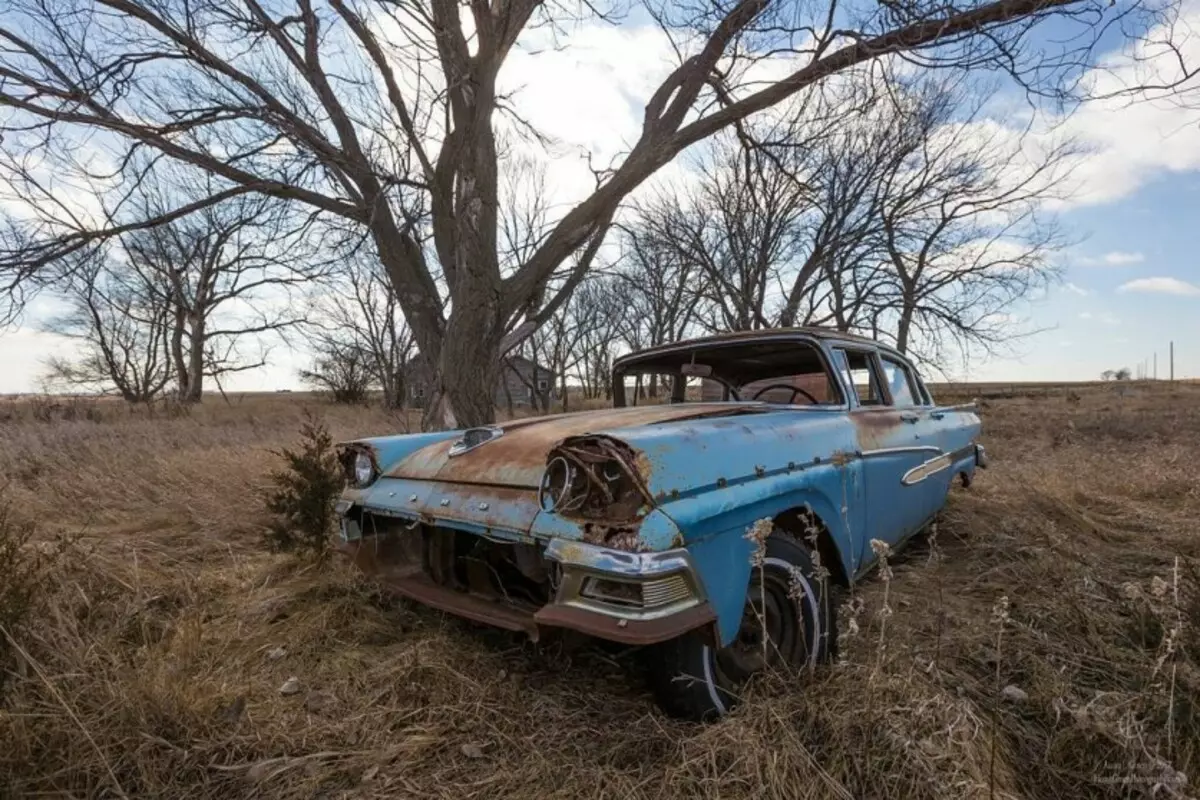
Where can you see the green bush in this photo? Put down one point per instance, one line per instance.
(304, 493)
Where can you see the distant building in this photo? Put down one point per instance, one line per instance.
(520, 381)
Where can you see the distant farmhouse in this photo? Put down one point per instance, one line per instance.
(522, 382)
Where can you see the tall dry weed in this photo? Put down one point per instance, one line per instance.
(164, 633)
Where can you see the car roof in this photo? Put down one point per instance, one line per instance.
(768, 334)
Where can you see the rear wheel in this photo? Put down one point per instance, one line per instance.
(787, 622)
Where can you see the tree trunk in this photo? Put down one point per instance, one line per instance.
(787, 317)
(469, 365)
(177, 359)
(195, 363)
(905, 324)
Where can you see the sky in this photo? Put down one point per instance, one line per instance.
(1131, 283)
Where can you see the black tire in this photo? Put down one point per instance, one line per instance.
(693, 681)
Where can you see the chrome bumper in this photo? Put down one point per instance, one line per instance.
(653, 585)
(981, 457)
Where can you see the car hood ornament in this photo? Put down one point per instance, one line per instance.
(474, 437)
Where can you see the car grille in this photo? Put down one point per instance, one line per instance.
(665, 591)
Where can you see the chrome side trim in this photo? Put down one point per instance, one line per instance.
(927, 469)
(935, 465)
(887, 451)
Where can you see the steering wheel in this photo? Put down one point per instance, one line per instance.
(795, 390)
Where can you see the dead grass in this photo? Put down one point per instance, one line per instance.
(167, 631)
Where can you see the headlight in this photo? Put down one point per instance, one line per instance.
(563, 487)
(364, 469)
(358, 466)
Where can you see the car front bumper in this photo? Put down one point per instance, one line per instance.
(662, 594)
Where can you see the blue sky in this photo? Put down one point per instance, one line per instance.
(1099, 319)
(1131, 284)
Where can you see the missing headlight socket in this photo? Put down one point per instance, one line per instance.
(595, 477)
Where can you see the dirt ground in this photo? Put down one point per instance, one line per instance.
(1041, 642)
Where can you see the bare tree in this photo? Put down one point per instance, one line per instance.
(658, 285)
(735, 229)
(384, 115)
(342, 369)
(964, 226)
(120, 328)
(359, 315)
(838, 272)
(226, 274)
(600, 313)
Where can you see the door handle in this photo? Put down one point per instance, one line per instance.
(937, 414)
(909, 416)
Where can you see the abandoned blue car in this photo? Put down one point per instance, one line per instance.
(737, 481)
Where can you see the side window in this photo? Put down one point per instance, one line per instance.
(858, 374)
(900, 383)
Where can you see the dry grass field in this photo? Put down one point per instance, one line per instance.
(1043, 641)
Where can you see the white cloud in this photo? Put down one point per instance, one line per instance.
(1103, 316)
(587, 94)
(1075, 289)
(23, 353)
(1161, 286)
(1130, 143)
(1116, 258)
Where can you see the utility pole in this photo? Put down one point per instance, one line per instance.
(1172, 362)
(1155, 365)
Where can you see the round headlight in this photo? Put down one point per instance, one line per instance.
(364, 469)
(563, 487)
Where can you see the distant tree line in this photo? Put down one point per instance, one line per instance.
(900, 215)
(385, 130)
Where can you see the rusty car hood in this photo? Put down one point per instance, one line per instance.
(519, 456)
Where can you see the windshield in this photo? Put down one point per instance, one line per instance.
(780, 371)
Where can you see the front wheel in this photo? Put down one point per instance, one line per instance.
(787, 621)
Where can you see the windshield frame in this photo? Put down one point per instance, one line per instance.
(632, 365)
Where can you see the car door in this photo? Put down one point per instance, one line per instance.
(957, 430)
(892, 442)
(925, 485)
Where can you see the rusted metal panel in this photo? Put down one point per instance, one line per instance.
(880, 428)
(627, 631)
(402, 578)
(519, 456)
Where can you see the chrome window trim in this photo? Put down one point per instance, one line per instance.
(822, 345)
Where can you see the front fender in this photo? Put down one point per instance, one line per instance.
(714, 526)
(390, 450)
